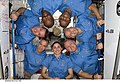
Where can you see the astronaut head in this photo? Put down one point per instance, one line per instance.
(70, 45)
(47, 19)
(71, 32)
(57, 47)
(42, 45)
(64, 19)
(40, 31)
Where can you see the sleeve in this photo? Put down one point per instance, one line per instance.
(20, 40)
(25, 37)
(88, 3)
(70, 65)
(63, 7)
(36, 7)
(32, 21)
(28, 12)
(76, 68)
(28, 46)
(46, 62)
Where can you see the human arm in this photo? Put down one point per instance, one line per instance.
(89, 76)
(70, 74)
(15, 14)
(100, 20)
(44, 73)
(70, 69)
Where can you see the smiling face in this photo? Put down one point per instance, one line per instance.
(70, 46)
(42, 46)
(39, 31)
(57, 48)
(64, 20)
(71, 32)
(47, 19)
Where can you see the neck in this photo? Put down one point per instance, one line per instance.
(57, 56)
(38, 52)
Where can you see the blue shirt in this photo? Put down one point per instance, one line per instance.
(32, 60)
(85, 59)
(57, 68)
(24, 23)
(88, 28)
(49, 5)
(78, 7)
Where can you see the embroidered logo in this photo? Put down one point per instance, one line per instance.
(38, 61)
(63, 62)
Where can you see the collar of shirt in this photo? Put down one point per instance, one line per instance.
(61, 56)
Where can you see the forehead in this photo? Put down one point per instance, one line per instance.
(56, 44)
(68, 42)
(43, 42)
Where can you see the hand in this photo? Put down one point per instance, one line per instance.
(14, 15)
(97, 76)
(100, 46)
(99, 36)
(100, 22)
(56, 78)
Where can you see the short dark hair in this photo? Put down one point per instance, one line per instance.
(44, 39)
(58, 43)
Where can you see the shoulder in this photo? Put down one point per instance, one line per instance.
(65, 57)
(50, 56)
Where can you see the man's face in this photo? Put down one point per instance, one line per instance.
(39, 31)
(71, 32)
(70, 45)
(42, 46)
(57, 49)
(47, 19)
(64, 20)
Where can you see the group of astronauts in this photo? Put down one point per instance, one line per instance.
(83, 58)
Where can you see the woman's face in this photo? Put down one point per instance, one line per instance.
(57, 49)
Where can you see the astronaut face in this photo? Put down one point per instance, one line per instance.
(47, 19)
(64, 20)
(70, 46)
(39, 31)
(42, 46)
(57, 48)
(71, 32)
